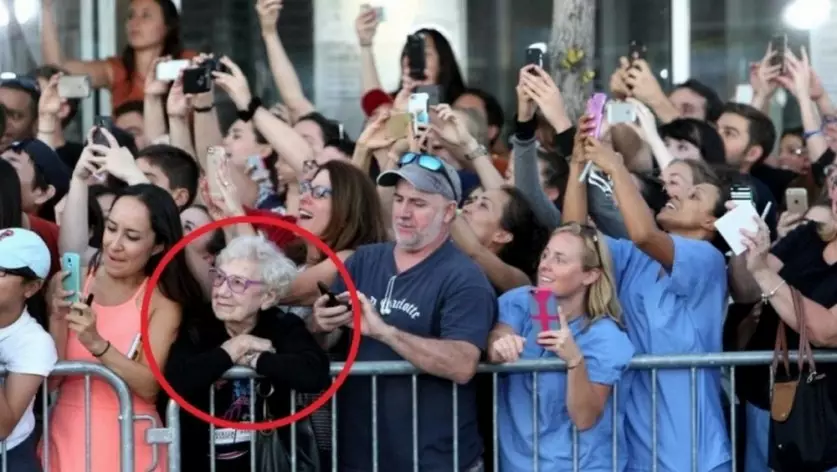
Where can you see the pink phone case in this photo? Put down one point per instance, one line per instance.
(595, 108)
(544, 311)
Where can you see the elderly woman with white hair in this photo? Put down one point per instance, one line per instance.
(250, 276)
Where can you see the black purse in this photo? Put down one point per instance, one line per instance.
(274, 455)
(803, 422)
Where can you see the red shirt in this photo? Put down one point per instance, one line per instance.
(126, 89)
(48, 231)
(278, 236)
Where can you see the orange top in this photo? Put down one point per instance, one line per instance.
(126, 89)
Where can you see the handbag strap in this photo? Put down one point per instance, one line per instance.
(805, 351)
(780, 348)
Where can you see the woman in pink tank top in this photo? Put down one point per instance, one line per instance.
(143, 225)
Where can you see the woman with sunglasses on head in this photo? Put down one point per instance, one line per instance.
(143, 225)
(250, 277)
(581, 325)
(672, 283)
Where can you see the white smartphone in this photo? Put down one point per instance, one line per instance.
(379, 13)
(620, 112)
(169, 70)
(418, 108)
(74, 86)
(135, 347)
(796, 199)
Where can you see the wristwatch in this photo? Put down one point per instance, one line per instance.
(476, 152)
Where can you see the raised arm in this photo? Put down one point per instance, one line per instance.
(644, 86)
(501, 275)
(284, 74)
(177, 108)
(100, 72)
(154, 104)
(366, 25)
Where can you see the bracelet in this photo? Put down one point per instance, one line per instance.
(105, 350)
(247, 115)
(810, 134)
(576, 364)
(203, 109)
(769, 295)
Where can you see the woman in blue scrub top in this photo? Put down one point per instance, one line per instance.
(672, 285)
(576, 267)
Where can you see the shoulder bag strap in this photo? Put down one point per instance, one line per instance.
(804, 343)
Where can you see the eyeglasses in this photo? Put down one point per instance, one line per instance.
(236, 284)
(317, 191)
(428, 162)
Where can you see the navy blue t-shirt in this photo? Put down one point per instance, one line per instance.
(446, 296)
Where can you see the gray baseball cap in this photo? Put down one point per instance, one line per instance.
(444, 182)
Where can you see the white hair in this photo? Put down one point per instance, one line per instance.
(277, 271)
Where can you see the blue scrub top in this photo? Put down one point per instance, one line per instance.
(607, 352)
(676, 312)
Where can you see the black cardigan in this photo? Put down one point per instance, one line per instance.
(197, 361)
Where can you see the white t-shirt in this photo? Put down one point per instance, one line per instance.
(26, 348)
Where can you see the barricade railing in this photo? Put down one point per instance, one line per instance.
(125, 415)
(728, 362)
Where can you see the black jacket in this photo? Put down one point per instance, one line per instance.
(197, 362)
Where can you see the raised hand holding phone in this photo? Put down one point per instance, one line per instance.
(595, 110)
(562, 343)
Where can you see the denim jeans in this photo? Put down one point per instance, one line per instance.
(24, 457)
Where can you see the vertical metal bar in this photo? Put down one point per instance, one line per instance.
(374, 423)
(45, 421)
(455, 398)
(253, 434)
(88, 459)
(494, 436)
(414, 395)
(536, 430)
(575, 449)
(87, 24)
(681, 38)
(293, 433)
(5, 454)
(653, 420)
(614, 421)
(106, 45)
(173, 423)
(334, 432)
(733, 420)
(212, 429)
(693, 414)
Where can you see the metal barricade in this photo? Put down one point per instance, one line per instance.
(728, 362)
(125, 416)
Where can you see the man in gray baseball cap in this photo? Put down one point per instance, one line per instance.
(426, 173)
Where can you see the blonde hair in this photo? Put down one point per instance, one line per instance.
(601, 300)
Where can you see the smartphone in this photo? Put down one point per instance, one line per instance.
(135, 347)
(417, 107)
(779, 44)
(544, 311)
(415, 56)
(620, 112)
(534, 56)
(398, 125)
(71, 262)
(379, 13)
(333, 301)
(434, 94)
(74, 86)
(636, 50)
(196, 80)
(741, 193)
(169, 70)
(102, 122)
(595, 109)
(796, 199)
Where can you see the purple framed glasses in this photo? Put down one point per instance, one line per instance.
(236, 284)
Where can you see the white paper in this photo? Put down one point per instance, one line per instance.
(731, 224)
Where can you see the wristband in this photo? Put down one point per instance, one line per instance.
(810, 134)
(203, 109)
(247, 115)
(105, 350)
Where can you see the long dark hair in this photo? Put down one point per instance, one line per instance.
(529, 236)
(11, 205)
(172, 46)
(176, 282)
(450, 77)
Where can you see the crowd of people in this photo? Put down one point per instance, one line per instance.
(472, 235)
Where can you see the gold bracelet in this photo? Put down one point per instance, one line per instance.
(769, 295)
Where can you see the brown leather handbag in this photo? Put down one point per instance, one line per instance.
(803, 422)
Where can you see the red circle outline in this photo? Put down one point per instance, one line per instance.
(252, 220)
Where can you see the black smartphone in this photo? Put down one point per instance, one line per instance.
(89, 300)
(534, 56)
(779, 44)
(333, 301)
(434, 94)
(415, 56)
(196, 80)
(636, 50)
(100, 123)
(741, 193)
